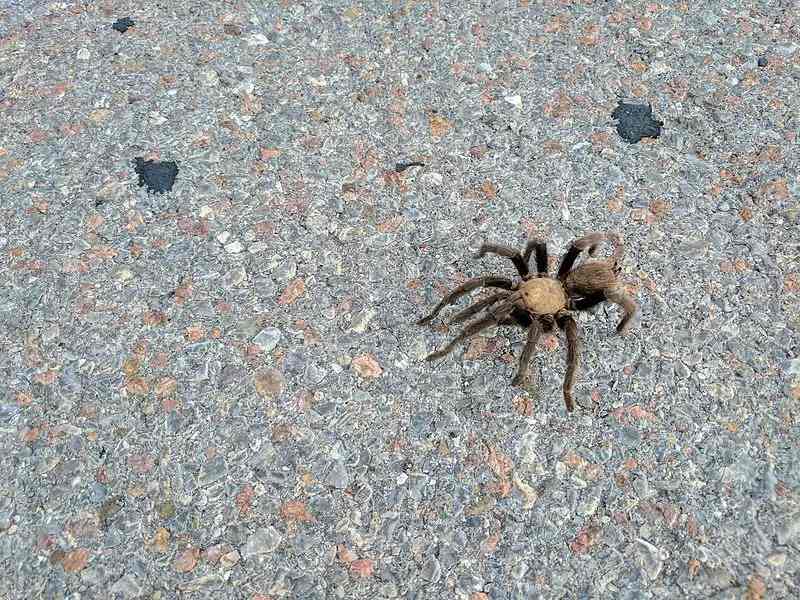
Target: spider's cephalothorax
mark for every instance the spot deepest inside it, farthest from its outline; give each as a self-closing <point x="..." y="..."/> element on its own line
<point x="539" y="301"/>
<point x="543" y="296"/>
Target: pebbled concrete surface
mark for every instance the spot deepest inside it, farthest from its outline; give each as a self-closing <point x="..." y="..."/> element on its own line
<point x="219" y="391"/>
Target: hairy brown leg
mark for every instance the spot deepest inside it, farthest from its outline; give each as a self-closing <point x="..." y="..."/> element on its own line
<point x="618" y="296"/>
<point x="520" y="318"/>
<point x="468" y="331"/>
<point x="570" y="327"/>
<point x="534" y="331"/>
<point x="541" y="255"/>
<point x="514" y="255"/>
<point x="464" y="288"/>
<point x="587" y="302"/>
<point x="474" y="309"/>
<point x="588" y="242"/>
<point x="496" y="314"/>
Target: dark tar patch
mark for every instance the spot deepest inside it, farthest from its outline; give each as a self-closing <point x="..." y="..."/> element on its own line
<point x="635" y="121"/>
<point x="122" y="25"/>
<point x="157" y="176"/>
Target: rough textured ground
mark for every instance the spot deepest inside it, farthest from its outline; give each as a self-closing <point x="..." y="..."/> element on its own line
<point x="218" y="391"/>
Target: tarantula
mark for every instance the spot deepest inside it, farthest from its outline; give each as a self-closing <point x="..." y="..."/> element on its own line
<point x="538" y="301"/>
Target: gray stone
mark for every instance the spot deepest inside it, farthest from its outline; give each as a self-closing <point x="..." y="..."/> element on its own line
<point x="315" y="374"/>
<point x="8" y="414"/>
<point x="212" y="471"/>
<point x="294" y="363"/>
<point x="431" y="570"/>
<point x="361" y="320"/>
<point x="127" y="586"/>
<point x="651" y="559"/>
<point x="262" y="542"/>
<point x="337" y="475"/>
<point x="789" y="530"/>
<point x="518" y="570"/>
<point x="268" y="338"/>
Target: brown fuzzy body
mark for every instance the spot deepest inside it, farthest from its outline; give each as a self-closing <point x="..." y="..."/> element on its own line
<point x="590" y="277"/>
<point x="543" y="296"/>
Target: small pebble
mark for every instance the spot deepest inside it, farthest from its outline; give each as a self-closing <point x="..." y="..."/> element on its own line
<point x="337" y="476"/>
<point x="128" y="586"/>
<point x="213" y="470"/>
<point x="257" y="247"/>
<point x="229" y="560"/>
<point x="257" y="39"/>
<point x="433" y="178"/>
<point x="209" y="77"/>
<point x="264" y="541"/>
<point x="651" y="559"/>
<point x="268" y="338"/>
<point x="234" y="277"/>
<point x="777" y="559"/>
<point x="789" y="531"/>
<point x="589" y="506"/>
<point x="518" y="570"/>
<point x="431" y="570"/>
<point x="234" y="247"/>
<point x="362" y="320"/>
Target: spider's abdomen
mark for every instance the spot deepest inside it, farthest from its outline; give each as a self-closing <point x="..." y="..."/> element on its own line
<point x="590" y="278"/>
<point x="543" y="295"/>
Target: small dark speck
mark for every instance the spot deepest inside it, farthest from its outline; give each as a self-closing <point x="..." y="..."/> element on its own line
<point x="635" y="121"/>
<point x="122" y="25"/>
<point x="400" y="167"/>
<point x="232" y="29"/>
<point x="762" y="61"/>
<point x="157" y="176"/>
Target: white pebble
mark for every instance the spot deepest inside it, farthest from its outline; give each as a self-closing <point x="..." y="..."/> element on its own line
<point x="433" y="178"/>
<point x="257" y="39"/>
<point x="234" y="247"/>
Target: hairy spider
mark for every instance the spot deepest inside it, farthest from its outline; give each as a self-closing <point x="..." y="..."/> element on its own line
<point x="538" y="301"/>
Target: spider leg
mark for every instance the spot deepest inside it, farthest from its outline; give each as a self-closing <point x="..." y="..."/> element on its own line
<point x="478" y="307"/>
<point x="534" y="332"/>
<point x="587" y="302"/>
<point x="570" y="327"/>
<point x="514" y="255"/>
<point x="588" y="242"/>
<point x="547" y="323"/>
<point x="467" y="286"/>
<point x="520" y="317"/>
<point x="496" y="315"/>
<point x="468" y="331"/>
<point x="541" y="255"/>
<point x="618" y="296"/>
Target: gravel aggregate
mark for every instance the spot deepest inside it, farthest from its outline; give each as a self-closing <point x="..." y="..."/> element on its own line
<point x="219" y="222"/>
